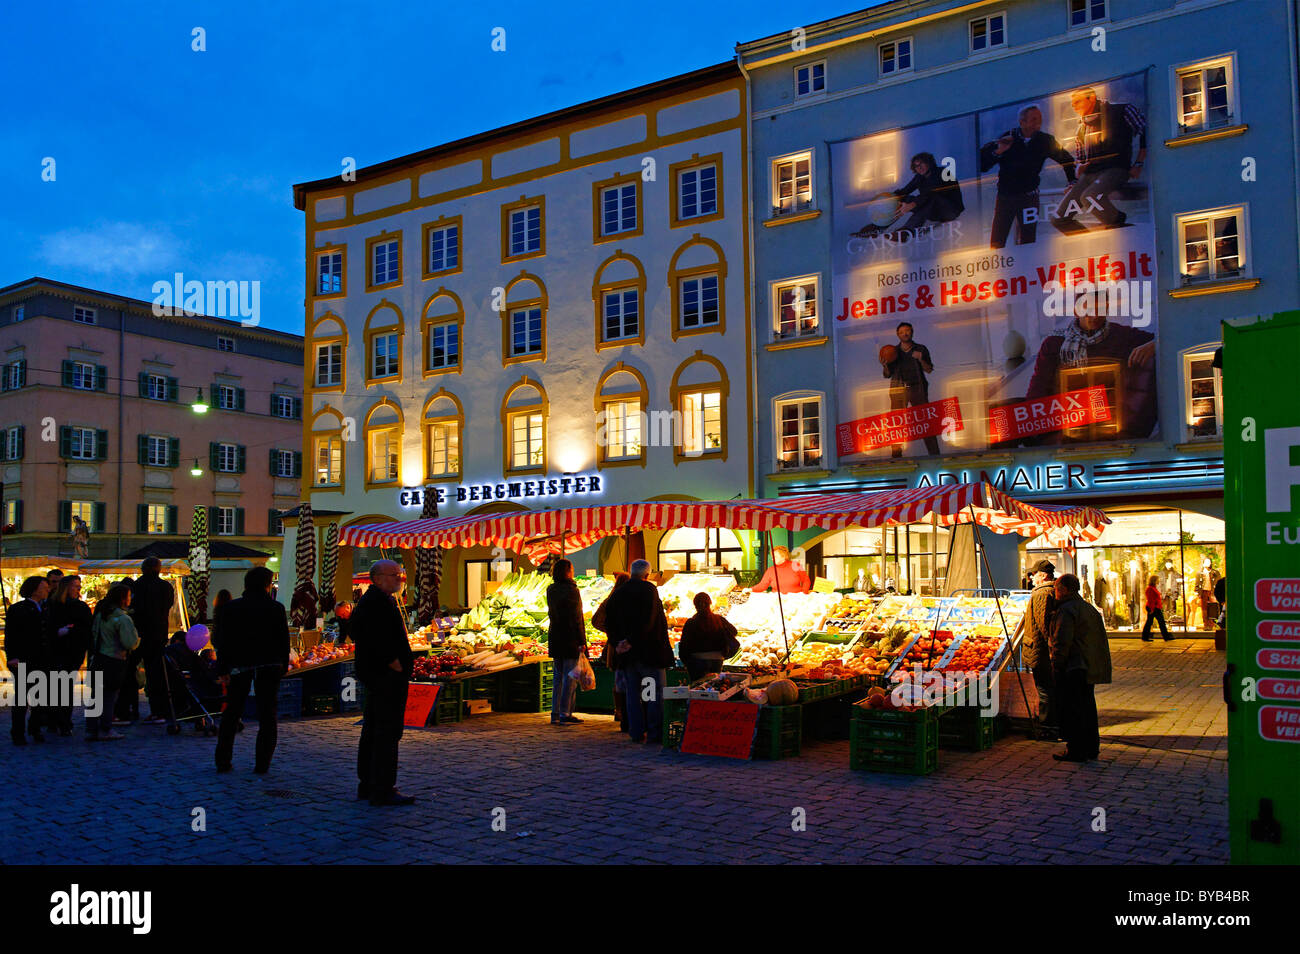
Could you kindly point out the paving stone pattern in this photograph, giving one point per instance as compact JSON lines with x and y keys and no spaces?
{"x":586,"y":794}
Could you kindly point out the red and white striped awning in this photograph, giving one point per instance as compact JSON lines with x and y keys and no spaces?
{"x":538,"y":533}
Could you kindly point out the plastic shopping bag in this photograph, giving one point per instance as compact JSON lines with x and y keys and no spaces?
{"x":584,"y":674}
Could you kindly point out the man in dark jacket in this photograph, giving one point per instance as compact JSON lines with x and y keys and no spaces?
{"x":1103,"y":147}
{"x":566,"y":640}
{"x":1019,"y":155}
{"x":908,"y":385}
{"x":151,"y":605}
{"x":1080,"y":661}
{"x":1034,"y":647}
{"x":252,"y":642}
{"x":25,"y":649}
{"x":639,"y":629}
{"x":384,"y":666}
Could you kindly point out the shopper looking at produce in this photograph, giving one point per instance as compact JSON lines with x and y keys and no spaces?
{"x":639,"y":628}
{"x":151,"y":605}
{"x":251,"y":637}
{"x":25,"y":646}
{"x":384,"y":666}
{"x":784,"y":574}
{"x":707,"y":640}
{"x":1033,"y":651}
{"x":612,"y":660}
{"x":67,"y":628}
{"x":1080,"y":660}
{"x":566,"y":641}
{"x":112,"y":640}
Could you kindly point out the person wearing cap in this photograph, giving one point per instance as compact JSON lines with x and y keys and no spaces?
{"x":1034,"y":651}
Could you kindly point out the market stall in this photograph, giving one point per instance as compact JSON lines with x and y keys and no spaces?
{"x":98,"y":575}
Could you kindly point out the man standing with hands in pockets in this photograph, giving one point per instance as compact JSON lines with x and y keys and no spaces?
{"x":384,"y":666}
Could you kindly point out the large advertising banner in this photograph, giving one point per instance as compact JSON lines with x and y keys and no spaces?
{"x":993,"y":278}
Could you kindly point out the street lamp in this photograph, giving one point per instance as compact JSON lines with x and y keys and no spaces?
{"x":196,"y":470}
{"x":200,"y":406}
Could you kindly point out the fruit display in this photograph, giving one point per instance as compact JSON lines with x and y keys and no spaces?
{"x":815,"y":653}
{"x":974,"y":654}
{"x":722,"y":686}
{"x":876,"y":658}
{"x":833,"y":669}
{"x":926,"y":651}
{"x":848,"y":616}
{"x":319,"y":655}
{"x":804,"y":612}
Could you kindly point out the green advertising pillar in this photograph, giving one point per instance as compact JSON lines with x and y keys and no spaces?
{"x":1261,"y":451}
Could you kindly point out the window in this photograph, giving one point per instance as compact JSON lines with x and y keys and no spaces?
{"x":19,"y":313}
{"x":622,"y":315}
{"x":699,"y":302}
{"x":525,"y":332}
{"x":384,"y":355}
{"x":157,"y":451}
{"x":385,"y":255}
{"x":526,"y":441}
{"x":227,"y":397}
{"x":796,"y":308}
{"x":225,"y":344}
{"x":12,"y":519}
{"x":988,"y":32}
{"x":91,"y":512}
{"x":286,"y":406}
{"x":329,"y":365}
{"x":701,"y":423}
{"x":523,"y":420}
{"x":523,"y":229}
{"x":15,"y":375}
{"x":1206,"y":95}
{"x":618,"y":209}
{"x":13,"y":443}
{"x":697,"y":192}
{"x":329,"y":272}
{"x":798,"y":436}
{"x":1204,"y":397}
{"x":622,"y":430}
{"x":155,"y":518}
{"x":896,"y":56}
{"x":444,"y":346}
{"x":329,"y":461}
{"x":810,"y":78}
{"x":155,"y":387}
{"x":442,"y":247}
{"x":286,"y":463}
{"x":444,"y":449}
{"x":1212,"y":245}
{"x":1083,"y":12}
{"x":80,"y":374}
{"x":792,"y":184}
{"x":699,"y":398}
{"x":442,"y":329}
{"x":83,"y":509}
{"x":385,"y":455}
{"x":274,"y":523}
{"x":224,"y":524}
{"x":85,"y":443}
{"x":227,"y":458}
{"x":85,"y":316}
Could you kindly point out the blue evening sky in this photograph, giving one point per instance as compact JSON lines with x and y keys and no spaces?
{"x":172,"y":160}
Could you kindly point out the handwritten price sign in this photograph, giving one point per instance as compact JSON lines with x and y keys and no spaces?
{"x":420,"y":699}
{"x":720,"y":728}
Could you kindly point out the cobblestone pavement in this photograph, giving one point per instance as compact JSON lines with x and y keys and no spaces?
{"x":585,"y":794}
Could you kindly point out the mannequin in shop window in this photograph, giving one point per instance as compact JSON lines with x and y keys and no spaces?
{"x":1086,"y":591}
{"x":1169,"y":587}
{"x":1205,"y":582}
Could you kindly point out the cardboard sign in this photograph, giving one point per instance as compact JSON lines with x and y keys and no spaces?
{"x":823,"y":585}
{"x":420,"y":700}
{"x":1055,"y":412}
{"x":1278,"y":630}
{"x":899,"y":427}
{"x":1279,"y":723}
{"x":720,"y":728}
{"x":1277,"y":596}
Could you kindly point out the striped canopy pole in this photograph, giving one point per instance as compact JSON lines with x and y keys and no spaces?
{"x":329,"y":565}
{"x":302,"y":608}
{"x":196,"y":584}
{"x":428,"y":566}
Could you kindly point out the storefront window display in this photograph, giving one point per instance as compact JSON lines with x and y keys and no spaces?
{"x":688,"y":549}
{"x":1182,"y":549}
{"x":910,"y":559}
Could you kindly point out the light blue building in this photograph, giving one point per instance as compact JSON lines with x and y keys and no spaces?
{"x":1176,"y":121}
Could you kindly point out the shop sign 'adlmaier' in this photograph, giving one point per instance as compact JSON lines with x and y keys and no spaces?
{"x":1262,"y":505}
{"x":518,"y":491}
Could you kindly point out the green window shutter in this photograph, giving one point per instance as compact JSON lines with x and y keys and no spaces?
{"x":65,"y":516}
{"x":297,"y":463}
{"x":173,"y":452}
{"x":101,"y":445}
{"x":273,"y":453}
{"x":173,"y":389}
{"x":239,"y":399}
{"x":141,"y":518}
{"x":212,"y":520}
{"x":65,"y":441}
{"x":171,"y":519}
{"x":297,"y":409}
{"x":22,"y":373}
{"x":240,"y":456}
{"x":100,"y":517}
{"x":142,"y":448}
{"x":67,"y":374}
{"x":144,"y":384}
{"x":273,"y":523}
{"x":101,"y":378}
{"x":22,"y":430}
{"x":239,"y":521}
{"x":273,"y":397}
{"x":212,"y":455}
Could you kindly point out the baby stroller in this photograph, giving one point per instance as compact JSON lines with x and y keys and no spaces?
{"x":193,"y":693}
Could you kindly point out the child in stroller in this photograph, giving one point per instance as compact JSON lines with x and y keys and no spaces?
{"x":193,"y":691}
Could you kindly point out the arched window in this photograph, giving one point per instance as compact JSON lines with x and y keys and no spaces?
{"x":697,"y":276}
{"x":798,"y":422}
{"x":621,"y":419}
{"x":327,"y":343}
{"x":442,"y":328}
{"x":383,"y":436}
{"x":384,"y":332}
{"x":443,"y":425}
{"x":327,"y":449}
{"x":524,"y":415}
{"x":523,"y":322}
{"x":619,"y":293}
{"x":699,"y":395}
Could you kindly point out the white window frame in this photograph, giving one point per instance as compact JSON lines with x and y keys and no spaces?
{"x":810,"y":67}
{"x":386,"y":466}
{"x":85,"y":316}
{"x":692,"y":434}
{"x":774,"y":296}
{"x":225,"y":344}
{"x":155,"y":388}
{"x":392,"y":250}
{"x":152,"y":443}
{"x":79,"y":374}
{"x":334,"y":375}
{"x":77,"y":445}
{"x":85,"y":509}
{"x":393,"y":357}
{"x":1088,"y":19}
{"x":534,"y":455}
{"x":775,"y":185}
{"x":621,"y":295}
{"x":622,"y":226}
{"x":284,"y":463}
{"x":223,"y":403}
{"x":628,"y":420}
{"x":11,"y":374}
{"x":227,"y":458}
{"x":970,"y":32}
{"x":524,"y":248}
{"x":717,"y":298}
{"x":895,"y":43}
{"x":321,"y":259}
{"x":1203,"y":353}
{"x":541,"y":327}
{"x":1181,"y":219}
{"x":284,"y":403}
{"x":446,"y":327}
{"x":329,"y":443}
{"x":799,"y":397}
{"x":224,"y":523}
{"x":444,"y":437}
{"x":1228,"y":60}
{"x":155,"y":518}
{"x":446,"y":266}
{"x":700,"y":211}
{"x":11,"y":443}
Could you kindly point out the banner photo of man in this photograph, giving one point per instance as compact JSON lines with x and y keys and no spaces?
{"x":999,"y":269}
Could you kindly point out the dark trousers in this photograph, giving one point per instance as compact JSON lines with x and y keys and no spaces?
{"x":109,"y":670}
{"x":901,"y":397}
{"x":1159,"y":616}
{"x":1009,"y":210}
{"x":930,"y":208}
{"x":620,"y":709}
{"x":60,"y":717}
{"x":1078,"y":713}
{"x":17,"y":713}
{"x":381,"y":732}
{"x":266,"y":680}
{"x":1048,"y":717}
{"x":148,"y":654}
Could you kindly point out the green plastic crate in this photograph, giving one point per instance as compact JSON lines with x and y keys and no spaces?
{"x":918,"y":755}
{"x":449,"y":708}
{"x":964,"y":728}
{"x":323,"y":704}
{"x":780,"y":732}
{"x":674,"y":722}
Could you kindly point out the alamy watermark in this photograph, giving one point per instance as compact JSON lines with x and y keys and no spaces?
{"x":224,"y":299}
{"x":40,"y":688}
{"x":1131,"y":299}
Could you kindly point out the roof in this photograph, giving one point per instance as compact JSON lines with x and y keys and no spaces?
{"x":657,"y":89}
{"x":886,"y":15}
{"x":315,"y":512}
{"x":180,"y":550}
